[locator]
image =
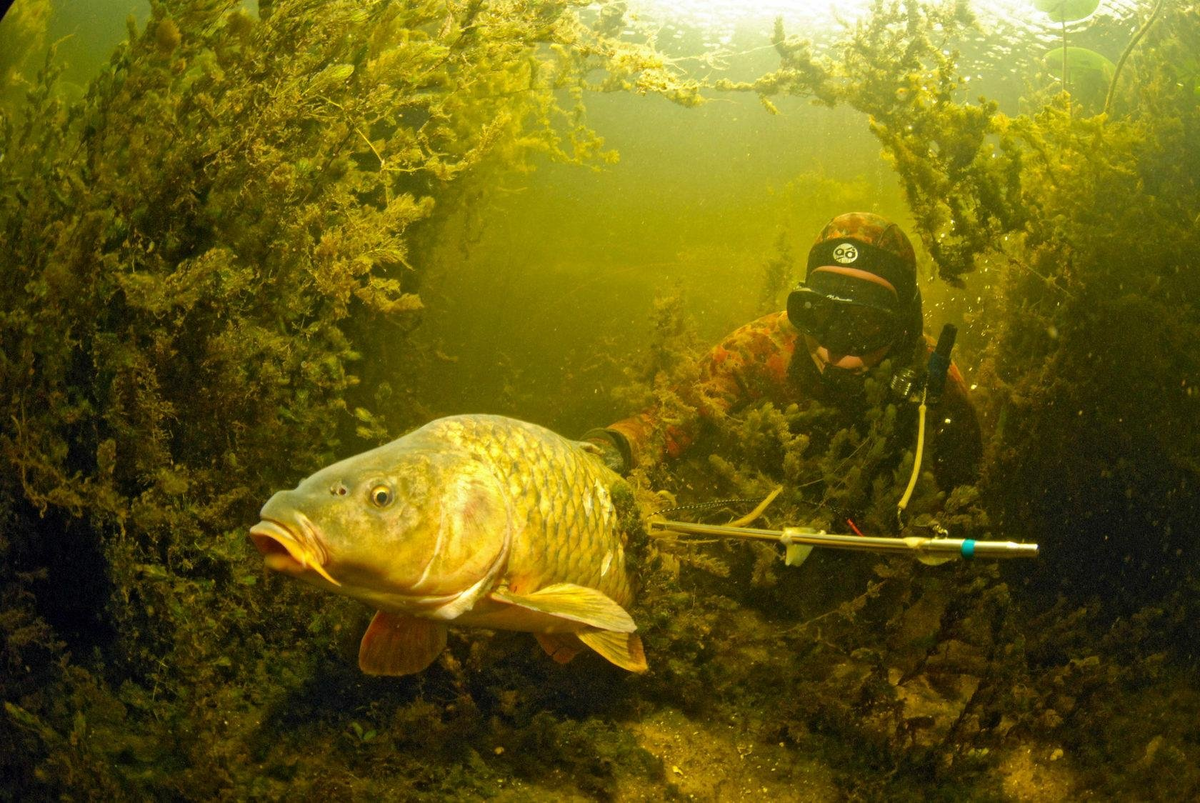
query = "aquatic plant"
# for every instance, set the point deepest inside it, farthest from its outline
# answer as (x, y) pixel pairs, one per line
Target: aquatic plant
(891, 68)
(953, 676)
(670, 363)
(1133, 43)
(1091, 74)
(199, 260)
(778, 274)
(1091, 370)
(22, 36)
(1064, 11)
(1067, 10)
(1063, 201)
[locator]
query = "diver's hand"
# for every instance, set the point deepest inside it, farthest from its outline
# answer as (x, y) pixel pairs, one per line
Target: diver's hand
(605, 446)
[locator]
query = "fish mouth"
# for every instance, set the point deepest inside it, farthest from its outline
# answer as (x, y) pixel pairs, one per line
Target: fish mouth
(283, 551)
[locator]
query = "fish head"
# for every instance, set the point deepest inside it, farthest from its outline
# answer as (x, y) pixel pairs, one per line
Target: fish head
(405, 529)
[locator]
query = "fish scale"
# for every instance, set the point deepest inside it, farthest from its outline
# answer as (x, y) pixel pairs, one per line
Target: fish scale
(479, 521)
(547, 478)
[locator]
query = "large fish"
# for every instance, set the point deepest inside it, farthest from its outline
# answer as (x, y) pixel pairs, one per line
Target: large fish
(470, 520)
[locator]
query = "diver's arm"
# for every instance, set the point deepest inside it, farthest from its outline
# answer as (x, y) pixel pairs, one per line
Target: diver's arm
(741, 368)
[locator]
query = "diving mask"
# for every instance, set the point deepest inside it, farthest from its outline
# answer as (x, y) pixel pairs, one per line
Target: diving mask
(841, 325)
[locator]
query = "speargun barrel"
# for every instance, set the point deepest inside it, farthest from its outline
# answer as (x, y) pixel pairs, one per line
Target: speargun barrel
(927, 550)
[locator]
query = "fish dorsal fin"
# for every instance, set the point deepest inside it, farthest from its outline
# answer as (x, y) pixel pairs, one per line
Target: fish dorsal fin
(573, 603)
(562, 647)
(622, 649)
(400, 645)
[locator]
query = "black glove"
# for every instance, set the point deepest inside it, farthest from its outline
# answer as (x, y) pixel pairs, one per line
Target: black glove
(610, 447)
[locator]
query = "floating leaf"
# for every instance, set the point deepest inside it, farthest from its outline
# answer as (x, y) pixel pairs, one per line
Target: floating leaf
(1067, 10)
(1088, 74)
(1081, 62)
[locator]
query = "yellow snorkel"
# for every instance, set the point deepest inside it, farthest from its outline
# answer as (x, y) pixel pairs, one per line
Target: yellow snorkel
(935, 383)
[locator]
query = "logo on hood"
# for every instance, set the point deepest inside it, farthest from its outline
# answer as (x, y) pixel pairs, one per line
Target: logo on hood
(845, 253)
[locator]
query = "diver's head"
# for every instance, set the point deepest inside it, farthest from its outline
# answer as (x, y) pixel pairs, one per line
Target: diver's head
(859, 300)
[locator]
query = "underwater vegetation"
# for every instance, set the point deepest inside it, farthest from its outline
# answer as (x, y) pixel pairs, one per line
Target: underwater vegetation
(198, 256)
(1092, 220)
(213, 269)
(1091, 213)
(22, 35)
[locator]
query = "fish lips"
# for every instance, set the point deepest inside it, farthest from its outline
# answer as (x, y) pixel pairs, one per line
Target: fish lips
(283, 552)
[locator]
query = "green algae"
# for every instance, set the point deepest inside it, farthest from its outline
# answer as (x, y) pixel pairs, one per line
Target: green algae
(1090, 452)
(1095, 234)
(21, 37)
(199, 257)
(172, 350)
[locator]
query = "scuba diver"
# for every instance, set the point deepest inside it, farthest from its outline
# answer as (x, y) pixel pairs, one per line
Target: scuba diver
(858, 305)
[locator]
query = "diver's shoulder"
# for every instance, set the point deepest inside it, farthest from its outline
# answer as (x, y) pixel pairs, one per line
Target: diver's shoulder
(766, 335)
(773, 320)
(772, 324)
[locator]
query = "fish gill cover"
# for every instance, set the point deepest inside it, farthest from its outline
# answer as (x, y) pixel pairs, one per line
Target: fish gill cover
(199, 257)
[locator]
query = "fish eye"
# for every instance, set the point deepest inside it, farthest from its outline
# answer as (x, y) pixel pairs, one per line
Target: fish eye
(381, 496)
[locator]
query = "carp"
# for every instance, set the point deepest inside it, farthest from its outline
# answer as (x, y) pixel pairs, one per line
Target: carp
(474, 520)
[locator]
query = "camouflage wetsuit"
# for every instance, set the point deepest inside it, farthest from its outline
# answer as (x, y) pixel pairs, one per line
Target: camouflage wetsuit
(766, 360)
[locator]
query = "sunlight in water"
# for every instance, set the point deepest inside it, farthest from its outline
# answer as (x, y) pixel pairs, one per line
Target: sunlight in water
(736, 9)
(1003, 32)
(817, 19)
(720, 18)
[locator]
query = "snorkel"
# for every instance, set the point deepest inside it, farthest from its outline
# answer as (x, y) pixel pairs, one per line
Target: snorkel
(934, 385)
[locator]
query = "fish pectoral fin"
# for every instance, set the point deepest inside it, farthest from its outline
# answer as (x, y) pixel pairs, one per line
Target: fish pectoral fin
(573, 603)
(562, 647)
(622, 649)
(400, 645)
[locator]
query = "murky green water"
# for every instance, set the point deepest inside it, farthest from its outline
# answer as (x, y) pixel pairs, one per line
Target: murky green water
(240, 243)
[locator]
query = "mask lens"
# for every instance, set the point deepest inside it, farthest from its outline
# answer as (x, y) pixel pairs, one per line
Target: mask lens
(810, 312)
(871, 326)
(841, 326)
